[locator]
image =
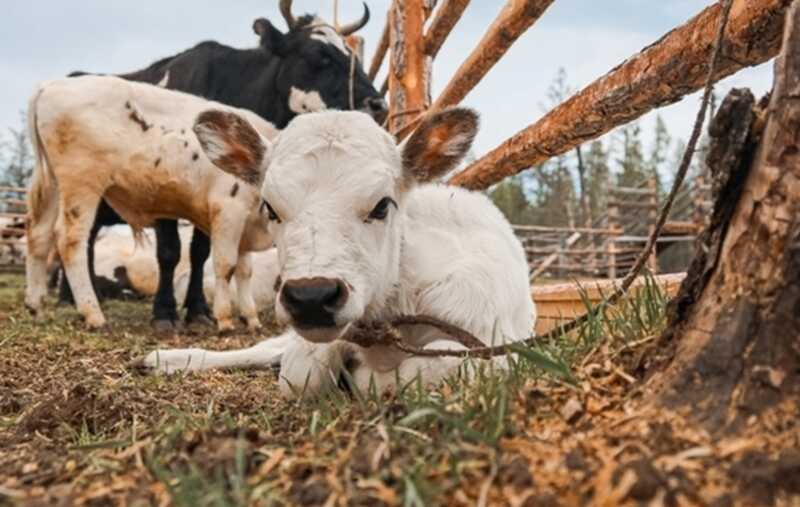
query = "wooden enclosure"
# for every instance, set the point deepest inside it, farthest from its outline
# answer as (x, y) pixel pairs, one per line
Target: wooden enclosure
(12, 228)
(670, 68)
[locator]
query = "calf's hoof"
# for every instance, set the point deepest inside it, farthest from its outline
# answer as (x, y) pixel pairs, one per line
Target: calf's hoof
(170, 361)
(95, 322)
(252, 323)
(225, 326)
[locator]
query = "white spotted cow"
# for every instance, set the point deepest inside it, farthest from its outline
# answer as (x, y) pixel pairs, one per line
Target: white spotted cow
(361, 237)
(132, 144)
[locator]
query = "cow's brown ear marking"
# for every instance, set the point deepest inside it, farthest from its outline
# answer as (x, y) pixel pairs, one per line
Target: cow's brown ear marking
(439, 143)
(231, 143)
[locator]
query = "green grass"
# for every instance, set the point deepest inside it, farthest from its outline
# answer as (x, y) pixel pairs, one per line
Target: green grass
(71, 405)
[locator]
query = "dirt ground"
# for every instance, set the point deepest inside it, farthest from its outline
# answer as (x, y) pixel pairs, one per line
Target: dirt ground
(79, 426)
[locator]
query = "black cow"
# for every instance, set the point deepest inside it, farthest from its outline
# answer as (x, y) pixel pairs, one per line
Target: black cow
(307, 68)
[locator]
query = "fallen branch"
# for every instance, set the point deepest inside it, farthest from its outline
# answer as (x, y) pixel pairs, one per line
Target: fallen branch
(386, 333)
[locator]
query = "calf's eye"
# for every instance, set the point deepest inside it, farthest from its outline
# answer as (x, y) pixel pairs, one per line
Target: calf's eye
(270, 212)
(381, 210)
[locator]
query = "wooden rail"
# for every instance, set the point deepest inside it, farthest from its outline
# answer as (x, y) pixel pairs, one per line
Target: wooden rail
(662, 73)
(445, 18)
(515, 18)
(380, 51)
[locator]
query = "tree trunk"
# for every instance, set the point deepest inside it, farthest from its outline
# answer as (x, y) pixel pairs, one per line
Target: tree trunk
(732, 349)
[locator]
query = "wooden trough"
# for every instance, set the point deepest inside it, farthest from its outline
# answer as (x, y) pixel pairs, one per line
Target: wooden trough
(556, 304)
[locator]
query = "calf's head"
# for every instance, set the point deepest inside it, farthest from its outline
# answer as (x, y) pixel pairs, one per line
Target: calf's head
(317, 69)
(334, 186)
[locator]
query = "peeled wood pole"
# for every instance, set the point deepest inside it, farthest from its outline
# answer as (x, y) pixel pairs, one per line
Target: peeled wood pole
(515, 18)
(409, 71)
(661, 74)
(380, 51)
(445, 18)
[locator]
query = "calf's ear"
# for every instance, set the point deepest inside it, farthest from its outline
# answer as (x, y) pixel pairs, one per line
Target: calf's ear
(232, 144)
(439, 144)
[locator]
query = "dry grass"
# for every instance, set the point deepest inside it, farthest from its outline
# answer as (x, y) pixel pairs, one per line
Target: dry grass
(78, 427)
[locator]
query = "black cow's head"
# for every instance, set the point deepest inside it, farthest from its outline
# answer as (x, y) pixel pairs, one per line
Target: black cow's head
(317, 69)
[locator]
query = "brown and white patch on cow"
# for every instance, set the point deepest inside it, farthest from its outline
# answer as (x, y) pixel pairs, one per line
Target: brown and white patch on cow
(137, 117)
(301, 102)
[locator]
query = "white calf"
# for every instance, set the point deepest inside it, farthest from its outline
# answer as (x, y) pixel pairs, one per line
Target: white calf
(359, 239)
(132, 144)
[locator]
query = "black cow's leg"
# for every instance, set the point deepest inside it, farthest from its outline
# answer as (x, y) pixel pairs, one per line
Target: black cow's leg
(197, 309)
(168, 250)
(90, 255)
(64, 290)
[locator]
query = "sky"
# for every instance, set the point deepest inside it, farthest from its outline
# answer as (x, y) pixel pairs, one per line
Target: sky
(46, 39)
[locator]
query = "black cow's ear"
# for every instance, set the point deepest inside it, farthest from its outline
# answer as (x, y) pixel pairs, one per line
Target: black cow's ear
(271, 37)
(438, 144)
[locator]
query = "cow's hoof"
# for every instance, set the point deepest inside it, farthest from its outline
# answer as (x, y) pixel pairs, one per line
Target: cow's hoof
(65, 302)
(252, 323)
(96, 323)
(225, 327)
(164, 326)
(200, 320)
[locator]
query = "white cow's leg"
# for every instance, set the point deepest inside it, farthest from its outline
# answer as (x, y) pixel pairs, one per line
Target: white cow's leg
(247, 305)
(75, 223)
(225, 237)
(309, 368)
(430, 370)
(40, 233)
(264, 354)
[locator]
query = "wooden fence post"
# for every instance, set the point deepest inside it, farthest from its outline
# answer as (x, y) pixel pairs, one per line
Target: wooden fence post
(652, 217)
(409, 68)
(611, 242)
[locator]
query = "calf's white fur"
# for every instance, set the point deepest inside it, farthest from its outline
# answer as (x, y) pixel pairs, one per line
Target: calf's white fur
(132, 144)
(433, 249)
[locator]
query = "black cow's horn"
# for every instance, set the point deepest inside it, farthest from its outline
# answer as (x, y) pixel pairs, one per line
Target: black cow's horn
(286, 11)
(352, 28)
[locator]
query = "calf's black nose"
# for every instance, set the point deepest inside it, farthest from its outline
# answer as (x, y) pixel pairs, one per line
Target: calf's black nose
(313, 302)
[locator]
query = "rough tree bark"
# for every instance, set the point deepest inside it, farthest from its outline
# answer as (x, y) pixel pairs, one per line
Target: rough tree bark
(732, 348)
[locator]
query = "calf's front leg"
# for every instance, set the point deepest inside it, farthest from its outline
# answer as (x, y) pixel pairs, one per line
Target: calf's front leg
(244, 289)
(226, 234)
(263, 355)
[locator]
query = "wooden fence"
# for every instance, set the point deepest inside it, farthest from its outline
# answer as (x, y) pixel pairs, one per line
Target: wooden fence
(609, 248)
(12, 228)
(665, 71)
